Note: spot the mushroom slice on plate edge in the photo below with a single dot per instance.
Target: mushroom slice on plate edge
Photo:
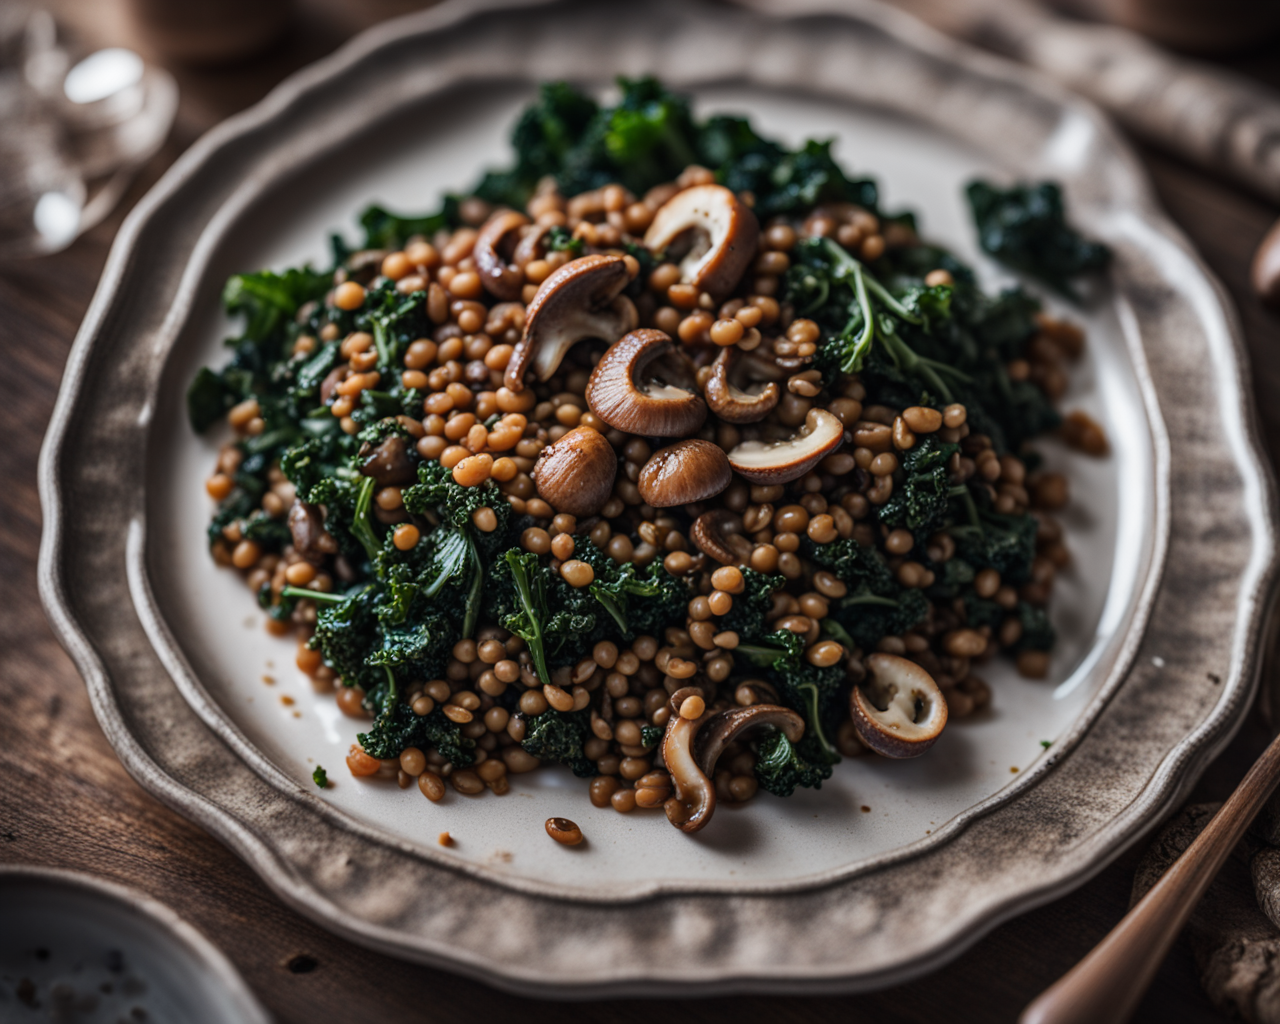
(725, 235)
(644, 385)
(780, 462)
(914, 711)
(582, 299)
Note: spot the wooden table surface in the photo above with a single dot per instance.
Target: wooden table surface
(66, 801)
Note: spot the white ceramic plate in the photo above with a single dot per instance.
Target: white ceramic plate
(1150, 676)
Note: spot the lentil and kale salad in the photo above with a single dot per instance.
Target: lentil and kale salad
(667, 455)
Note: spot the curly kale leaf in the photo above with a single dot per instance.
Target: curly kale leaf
(397, 727)
(268, 300)
(746, 617)
(394, 320)
(436, 491)
(559, 736)
(347, 634)
(1025, 227)
(1037, 632)
(812, 691)
(209, 398)
(780, 768)
(989, 539)
(876, 605)
(385, 230)
(320, 777)
(921, 502)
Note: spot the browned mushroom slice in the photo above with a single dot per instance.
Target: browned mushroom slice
(499, 277)
(310, 539)
(389, 463)
(684, 472)
(582, 299)
(730, 403)
(530, 246)
(695, 795)
(724, 230)
(779, 462)
(718, 534)
(575, 474)
(718, 731)
(899, 710)
(643, 385)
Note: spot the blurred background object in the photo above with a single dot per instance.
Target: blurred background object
(74, 129)
(211, 31)
(1193, 26)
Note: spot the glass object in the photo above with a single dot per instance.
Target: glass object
(72, 132)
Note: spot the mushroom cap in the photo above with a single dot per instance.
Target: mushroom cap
(687, 471)
(575, 474)
(731, 404)
(729, 233)
(721, 729)
(500, 279)
(718, 534)
(582, 299)
(389, 463)
(695, 795)
(780, 462)
(914, 713)
(666, 404)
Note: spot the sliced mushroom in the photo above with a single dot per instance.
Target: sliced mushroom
(782, 461)
(575, 474)
(899, 710)
(695, 795)
(725, 235)
(718, 534)
(500, 278)
(718, 731)
(582, 299)
(732, 404)
(389, 463)
(643, 385)
(310, 539)
(530, 245)
(684, 472)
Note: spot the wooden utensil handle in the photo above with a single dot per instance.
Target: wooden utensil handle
(1108, 983)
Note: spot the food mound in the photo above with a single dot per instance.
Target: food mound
(666, 455)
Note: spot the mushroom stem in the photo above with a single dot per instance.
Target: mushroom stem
(695, 796)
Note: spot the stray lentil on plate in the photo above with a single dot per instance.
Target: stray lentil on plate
(675, 480)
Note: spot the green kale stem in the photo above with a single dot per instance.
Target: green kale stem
(473, 597)
(362, 524)
(761, 656)
(524, 592)
(380, 341)
(809, 692)
(610, 605)
(319, 596)
(903, 355)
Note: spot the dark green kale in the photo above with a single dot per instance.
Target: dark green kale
(436, 491)
(559, 736)
(1025, 227)
(268, 301)
(876, 605)
(746, 617)
(209, 398)
(650, 735)
(816, 693)
(347, 634)
(1037, 632)
(780, 768)
(989, 539)
(384, 230)
(921, 501)
(320, 777)
(559, 239)
(397, 727)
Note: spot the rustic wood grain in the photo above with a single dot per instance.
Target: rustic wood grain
(66, 801)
